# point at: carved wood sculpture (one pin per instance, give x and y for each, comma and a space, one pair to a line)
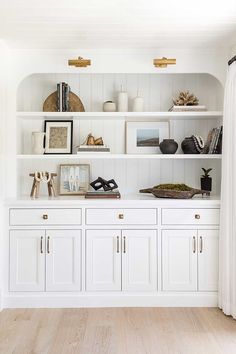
45, 177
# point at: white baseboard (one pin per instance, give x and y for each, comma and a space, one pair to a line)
110, 300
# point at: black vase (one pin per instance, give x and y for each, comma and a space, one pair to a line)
188, 146
168, 146
206, 183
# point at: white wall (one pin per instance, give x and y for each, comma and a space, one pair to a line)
3, 115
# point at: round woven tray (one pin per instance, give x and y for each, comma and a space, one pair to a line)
75, 104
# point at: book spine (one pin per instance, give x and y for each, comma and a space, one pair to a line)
217, 140
67, 97
212, 141
58, 97
219, 145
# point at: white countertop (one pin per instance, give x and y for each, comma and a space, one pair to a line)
134, 200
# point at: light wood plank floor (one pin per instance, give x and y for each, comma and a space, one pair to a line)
117, 331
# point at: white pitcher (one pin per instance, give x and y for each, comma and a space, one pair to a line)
37, 143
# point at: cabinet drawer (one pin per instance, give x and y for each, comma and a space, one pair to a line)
190, 216
45, 217
121, 216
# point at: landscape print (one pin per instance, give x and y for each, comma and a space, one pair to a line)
148, 137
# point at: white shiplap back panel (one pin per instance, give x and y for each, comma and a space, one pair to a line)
131, 175
94, 89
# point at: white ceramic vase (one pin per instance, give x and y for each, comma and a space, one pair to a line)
122, 101
138, 104
38, 143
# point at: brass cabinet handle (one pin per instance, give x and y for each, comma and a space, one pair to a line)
45, 216
41, 244
48, 244
121, 216
117, 244
197, 216
201, 244
124, 247
194, 244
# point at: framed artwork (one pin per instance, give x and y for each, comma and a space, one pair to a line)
74, 179
58, 136
145, 137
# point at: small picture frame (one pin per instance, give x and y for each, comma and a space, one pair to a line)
145, 137
74, 179
58, 136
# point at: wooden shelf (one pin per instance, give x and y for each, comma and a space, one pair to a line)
95, 156
122, 115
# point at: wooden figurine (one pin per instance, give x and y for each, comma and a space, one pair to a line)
45, 177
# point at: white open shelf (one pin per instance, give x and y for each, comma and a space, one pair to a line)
122, 115
123, 156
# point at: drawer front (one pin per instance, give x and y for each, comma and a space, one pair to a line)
121, 216
45, 217
190, 216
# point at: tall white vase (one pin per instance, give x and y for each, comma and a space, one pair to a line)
122, 101
37, 143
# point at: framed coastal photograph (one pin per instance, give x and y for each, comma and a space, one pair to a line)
74, 179
58, 136
145, 137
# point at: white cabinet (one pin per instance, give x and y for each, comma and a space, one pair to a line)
41, 260
190, 260
139, 266
63, 260
179, 260
208, 260
27, 260
190, 216
46, 216
127, 216
103, 260
112, 255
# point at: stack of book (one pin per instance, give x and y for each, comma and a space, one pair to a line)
63, 91
196, 108
115, 194
93, 148
213, 143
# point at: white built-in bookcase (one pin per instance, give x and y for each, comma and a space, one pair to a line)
131, 172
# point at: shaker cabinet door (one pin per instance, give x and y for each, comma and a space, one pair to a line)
208, 260
179, 260
27, 260
139, 255
63, 260
103, 260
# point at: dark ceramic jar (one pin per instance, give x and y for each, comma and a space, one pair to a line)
168, 146
188, 146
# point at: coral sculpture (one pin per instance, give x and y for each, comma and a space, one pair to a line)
186, 99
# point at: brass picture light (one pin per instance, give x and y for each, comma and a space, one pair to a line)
79, 63
163, 62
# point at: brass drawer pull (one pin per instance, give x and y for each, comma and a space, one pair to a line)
194, 244
41, 244
45, 216
48, 244
197, 216
201, 244
117, 244
121, 216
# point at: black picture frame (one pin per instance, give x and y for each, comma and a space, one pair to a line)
58, 124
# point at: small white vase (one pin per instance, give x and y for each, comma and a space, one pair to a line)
138, 104
109, 106
37, 143
122, 101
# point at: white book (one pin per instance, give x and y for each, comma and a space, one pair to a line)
188, 108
